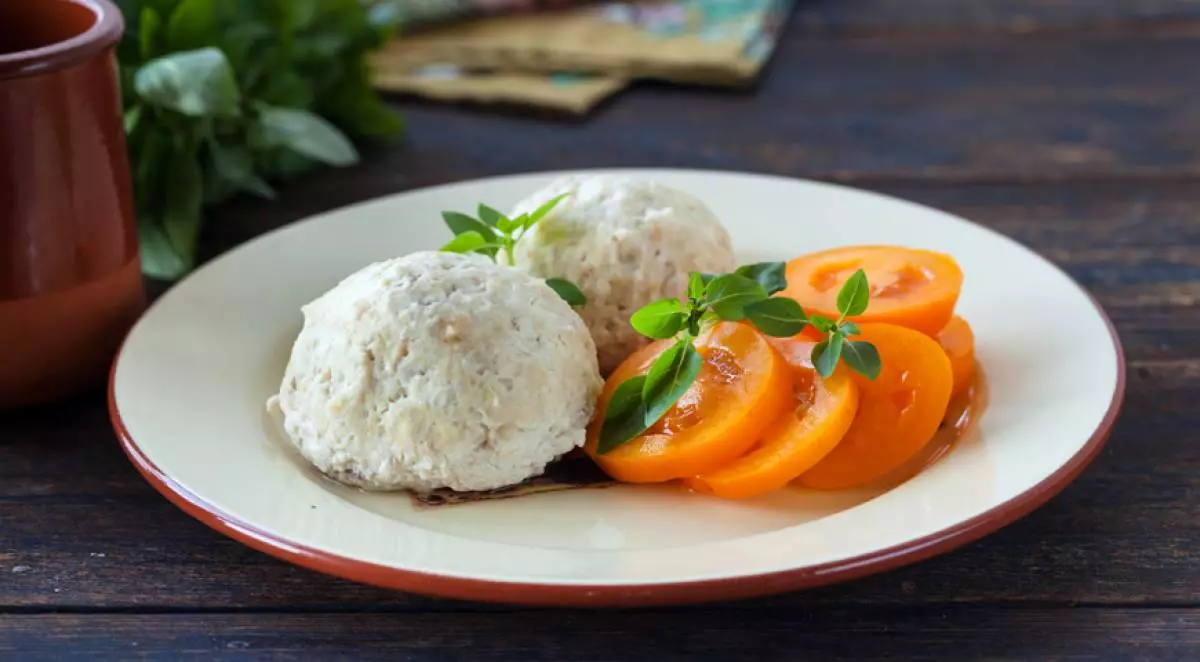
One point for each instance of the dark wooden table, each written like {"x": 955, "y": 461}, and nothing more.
{"x": 1072, "y": 126}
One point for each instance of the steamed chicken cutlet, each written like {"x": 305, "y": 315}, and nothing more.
{"x": 625, "y": 243}
{"x": 438, "y": 370}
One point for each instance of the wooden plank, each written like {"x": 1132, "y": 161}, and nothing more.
{"x": 865, "y": 110}
{"x": 1055, "y": 217}
{"x": 1124, "y": 533}
{"x": 951, "y": 633}
{"x": 969, "y": 18}
{"x": 86, "y": 532}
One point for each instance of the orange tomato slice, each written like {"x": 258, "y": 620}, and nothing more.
{"x": 898, "y": 412}
{"x": 909, "y": 287}
{"x": 823, "y": 411}
{"x": 958, "y": 341}
{"x": 743, "y": 386}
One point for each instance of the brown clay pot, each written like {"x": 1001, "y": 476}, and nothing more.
{"x": 70, "y": 282}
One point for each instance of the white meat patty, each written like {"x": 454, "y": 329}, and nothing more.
{"x": 438, "y": 370}
{"x": 625, "y": 243}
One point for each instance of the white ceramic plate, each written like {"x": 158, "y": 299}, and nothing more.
{"x": 188, "y": 391}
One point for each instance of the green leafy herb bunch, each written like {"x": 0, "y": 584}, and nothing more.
{"x": 225, "y": 96}
{"x": 745, "y": 295}
{"x": 493, "y": 233}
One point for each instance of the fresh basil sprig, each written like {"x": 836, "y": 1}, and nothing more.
{"x": 226, "y": 97}
{"x": 639, "y": 402}
{"x": 745, "y": 294}
{"x": 494, "y": 232}
{"x": 860, "y": 355}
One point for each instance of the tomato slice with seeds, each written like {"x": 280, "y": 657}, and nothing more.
{"x": 743, "y": 386}
{"x": 909, "y": 287}
{"x": 822, "y": 411}
{"x": 898, "y": 412}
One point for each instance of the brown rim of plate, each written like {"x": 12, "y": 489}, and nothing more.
{"x": 104, "y": 33}
{"x": 635, "y": 595}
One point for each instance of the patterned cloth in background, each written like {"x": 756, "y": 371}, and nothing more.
{"x": 574, "y": 58}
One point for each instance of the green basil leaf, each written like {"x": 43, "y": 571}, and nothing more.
{"x": 243, "y": 40}
{"x": 660, "y": 319}
{"x": 489, "y": 215}
{"x": 850, "y": 329}
{"x": 546, "y": 208}
{"x": 126, "y": 73}
{"x": 304, "y": 12}
{"x": 771, "y": 275}
{"x": 148, "y": 30}
{"x": 855, "y": 294}
{"x": 818, "y": 351}
{"x": 184, "y": 198}
{"x": 624, "y": 416}
{"x": 524, "y": 221}
{"x": 153, "y": 152}
{"x": 826, "y": 354}
{"x": 370, "y": 118}
{"x": 822, "y": 323}
{"x": 367, "y": 117}
{"x": 321, "y": 46}
{"x": 193, "y": 24}
{"x": 567, "y": 290}
{"x": 670, "y": 376}
{"x": 279, "y": 163}
{"x": 216, "y": 189}
{"x": 509, "y": 225}
{"x": 779, "y": 317}
{"x": 197, "y": 83}
{"x": 460, "y": 223}
{"x": 306, "y": 133}
{"x": 257, "y": 186}
{"x": 235, "y": 165}
{"x": 863, "y": 358}
{"x": 352, "y": 103}
{"x": 163, "y": 7}
{"x": 622, "y": 428}
{"x": 466, "y": 242}
{"x": 695, "y": 286}
{"x": 287, "y": 89}
{"x": 626, "y": 398}
{"x": 727, "y": 295}
{"x": 159, "y": 259}
{"x": 133, "y": 117}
